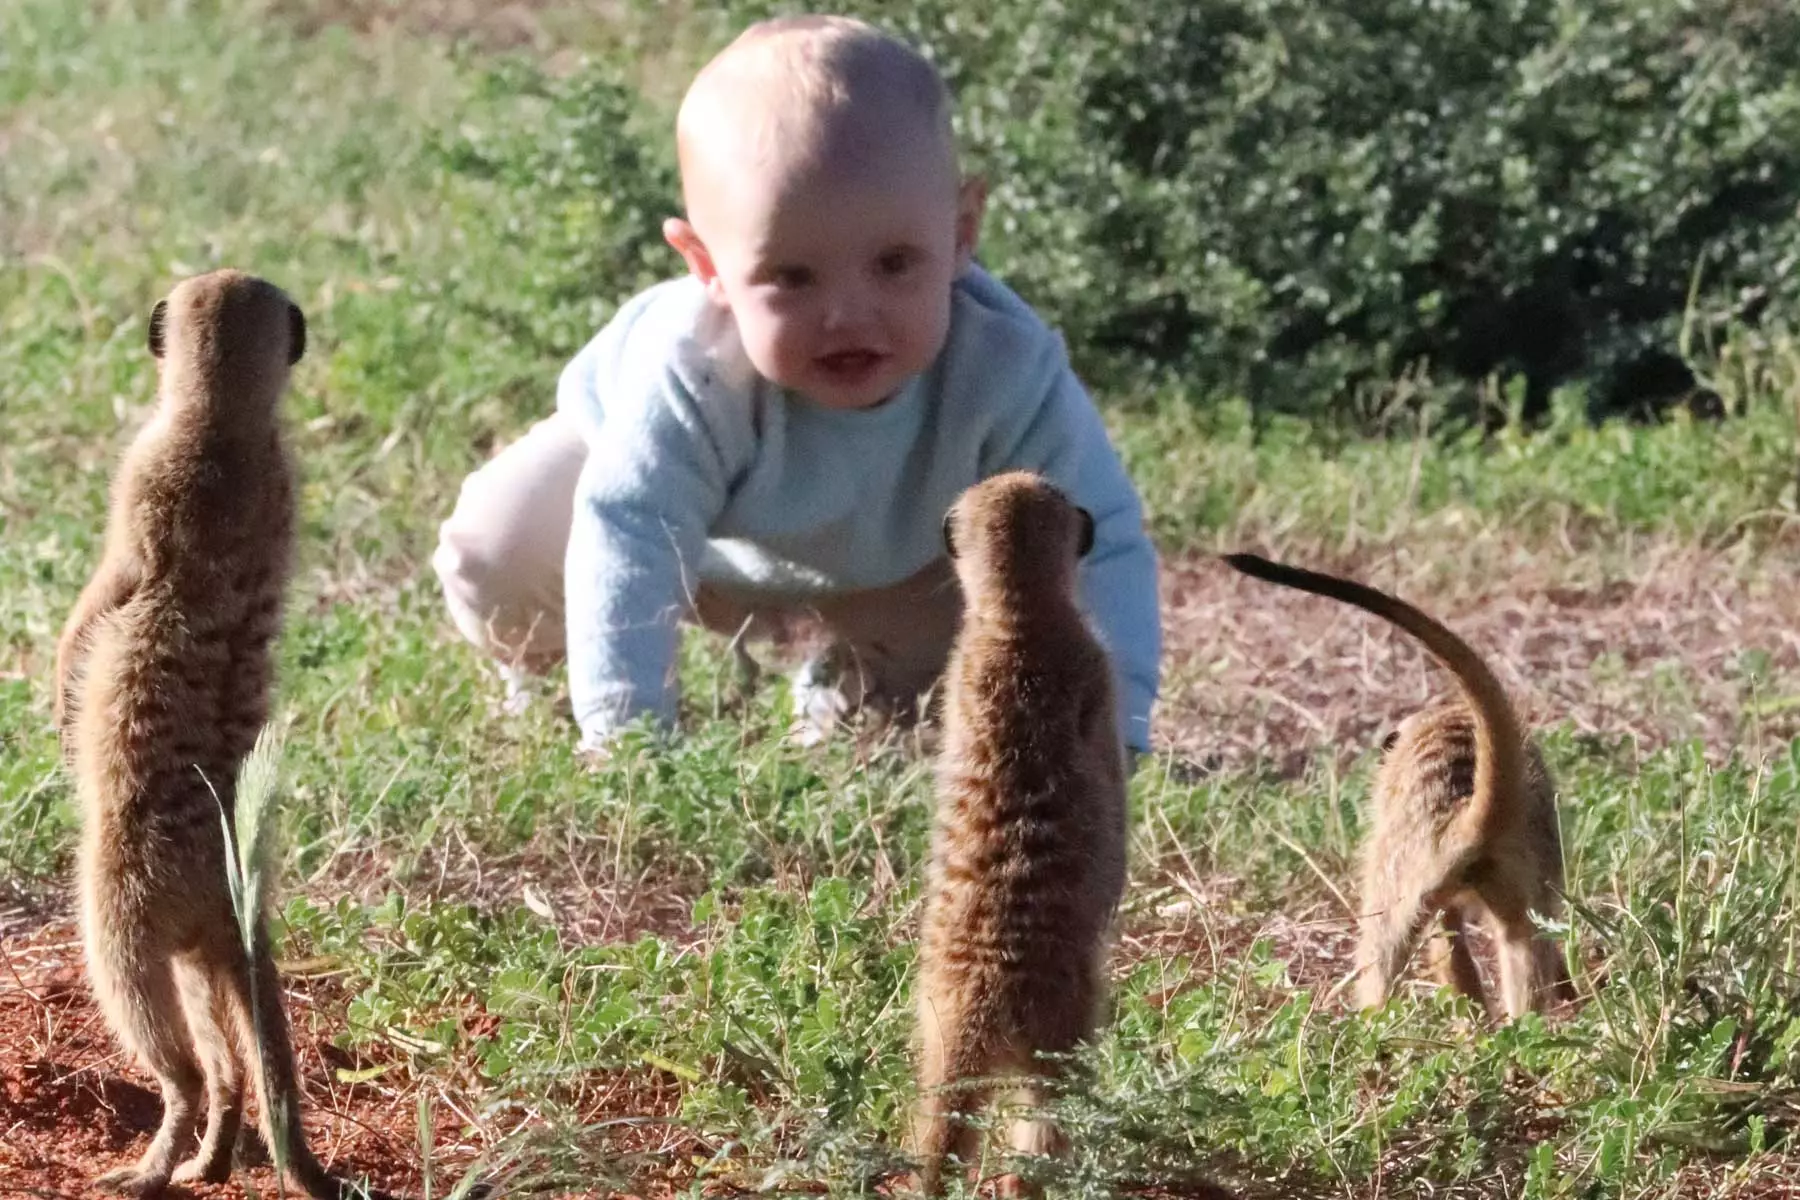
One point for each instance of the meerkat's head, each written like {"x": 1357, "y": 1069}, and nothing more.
{"x": 1016, "y": 535}
{"x": 226, "y": 338}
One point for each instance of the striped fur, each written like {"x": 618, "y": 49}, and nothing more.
{"x": 163, "y": 679}
{"x": 1028, "y": 852}
{"x": 1464, "y": 822}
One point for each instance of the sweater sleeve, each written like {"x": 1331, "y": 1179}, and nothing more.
{"x": 654, "y": 481}
{"x": 1063, "y": 438}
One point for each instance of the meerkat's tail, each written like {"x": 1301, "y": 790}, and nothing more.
{"x": 254, "y": 994}
{"x": 263, "y": 1032}
{"x": 1499, "y": 738}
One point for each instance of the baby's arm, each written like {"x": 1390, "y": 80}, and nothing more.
{"x": 1064, "y": 439}
{"x": 652, "y": 485}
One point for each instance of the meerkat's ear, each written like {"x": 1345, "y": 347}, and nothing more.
{"x": 296, "y": 333}
{"x": 1387, "y": 742}
{"x": 950, "y": 534}
{"x": 158, "y": 317}
{"x": 1087, "y": 533}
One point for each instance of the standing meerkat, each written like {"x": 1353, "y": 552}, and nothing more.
{"x": 1464, "y": 815}
{"x": 163, "y": 677}
{"x": 1028, "y": 850}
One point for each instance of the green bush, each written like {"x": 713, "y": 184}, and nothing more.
{"x": 563, "y": 197}
{"x": 1299, "y": 201}
{"x": 1286, "y": 198}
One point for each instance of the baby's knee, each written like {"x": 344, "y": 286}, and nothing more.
{"x": 504, "y": 594}
{"x": 500, "y": 554}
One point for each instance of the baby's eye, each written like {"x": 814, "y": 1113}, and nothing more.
{"x": 789, "y": 278}
{"x": 896, "y": 262}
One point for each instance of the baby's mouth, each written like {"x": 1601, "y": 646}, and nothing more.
{"x": 851, "y": 364}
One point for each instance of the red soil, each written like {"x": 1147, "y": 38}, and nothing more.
{"x": 72, "y": 1107}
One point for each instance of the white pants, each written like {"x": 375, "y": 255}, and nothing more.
{"x": 500, "y": 560}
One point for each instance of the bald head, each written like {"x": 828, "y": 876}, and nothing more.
{"x": 825, "y": 209}
{"x": 800, "y": 95}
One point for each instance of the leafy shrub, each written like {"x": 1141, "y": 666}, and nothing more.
{"x": 564, "y": 196}
{"x": 1299, "y": 201}
{"x": 1285, "y": 198}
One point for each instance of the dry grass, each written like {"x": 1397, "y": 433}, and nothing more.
{"x": 664, "y": 41}
{"x": 1655, "y": 649}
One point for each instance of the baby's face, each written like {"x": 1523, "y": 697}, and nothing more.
{"x": 839, "y": 284}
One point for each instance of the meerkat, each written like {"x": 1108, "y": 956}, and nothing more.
{"x": 164, "y": 671}
{"x": 1464, "y": 822}
{"x": 1028, "y": 850}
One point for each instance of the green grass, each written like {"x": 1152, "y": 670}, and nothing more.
{"x": 1595, "y": 484}
{"x": 729, "y": 928}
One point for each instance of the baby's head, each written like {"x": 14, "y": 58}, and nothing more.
{"x": 825, "y": 206}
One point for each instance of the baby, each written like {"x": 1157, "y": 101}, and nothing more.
{"x": 782, "y": 430}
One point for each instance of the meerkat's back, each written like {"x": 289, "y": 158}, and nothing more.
{"x": 1463, "y": 820}
{"x": 164, "y": 673}
{"x": 1028, "y": 851}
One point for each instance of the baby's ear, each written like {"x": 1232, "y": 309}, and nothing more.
{"x": 686, "y": 241}
{"x": 971, "y": 203}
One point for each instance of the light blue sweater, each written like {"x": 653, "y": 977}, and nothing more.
{"x": 698, "y": 469}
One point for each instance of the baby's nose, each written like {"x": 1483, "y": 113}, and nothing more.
{"x": 846, "y": 308}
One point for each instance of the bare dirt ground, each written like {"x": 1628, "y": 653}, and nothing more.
{"x": 71, "y": 1107}
{"x": 1657, "y": 651}
{"x": 1678, "y": 643}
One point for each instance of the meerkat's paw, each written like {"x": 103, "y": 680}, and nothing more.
{"x": 133, "y": 1181}
{"x": 203, "y": 1169}
{"x": 748, "y": 669}
{"x": 521, "y": 688}
{"x": 826, "y": 690}
{"x": 1016, "y": 1187}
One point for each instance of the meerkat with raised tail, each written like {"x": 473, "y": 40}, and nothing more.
{"x": 1028, "y": 849}
{"x": 1463, "y": 822}
{"x": 163, "y": 677}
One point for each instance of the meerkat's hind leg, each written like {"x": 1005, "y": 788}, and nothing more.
{"x": 1057, "y": 1023}
{"x": 1551, "y": 960}
{"x": 142, "y": 1004}
{"x": 1552, "y": 964}
{"x": 1391, "y": 927}
{"x": 1456, "y": 963}
{"x": 1523, "y": 984}
{"x": 1518, "y": 991}
{"x": 1033, "y": 1132}
{"x": 205, "y": 997}
{"x": 954, "y": 1051}
{"x": 1551, "y": 973}
{"x": 944, "y": 1132}
{"x": 269, "y": 1051}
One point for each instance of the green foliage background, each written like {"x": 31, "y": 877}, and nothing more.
{"x": 1298, "y": 201}
{"x": 727, "y": 923}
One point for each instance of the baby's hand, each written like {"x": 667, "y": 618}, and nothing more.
{"x": 596, "y": 750}
{"x": 609, "y": 747}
